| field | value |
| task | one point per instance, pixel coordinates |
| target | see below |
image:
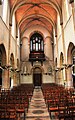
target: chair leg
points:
(24, 115)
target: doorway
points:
(37, 76)
(74, 81)
(0, 77)
(37, 79)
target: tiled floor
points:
(37, 109)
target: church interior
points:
(37, 59)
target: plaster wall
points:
(47, 49)
(4, 36)
(26, 79)
(48, 79)
(69, 34)
(36, 28)
(4, 39)
(29, 79)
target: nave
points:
(37, 109)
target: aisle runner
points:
(37, 109)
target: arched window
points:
(36, 48)
(36, 43)
(73, 64)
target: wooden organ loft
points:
(36, 48)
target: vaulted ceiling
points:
(36, 12)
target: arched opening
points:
(2, 64)
(36, 48)
(12, 70)
(36, 42)
(73, 67)
(70, 56)
(37, 76)
(0, 77)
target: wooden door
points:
(37, 79)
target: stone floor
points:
(37, 108)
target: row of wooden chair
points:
(60, 100)
(15, 102)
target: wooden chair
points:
(63, 110)
(20, 109)
(52, 106)
(4, 115)
(12, 111)
(71, 107)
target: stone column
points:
(6, 80)
(59, 76)
(48, 48)
(69, 77)
(14, 78)
(63, 43)
(18, 77)
(64, 52)
(24, 49)
(9, 45)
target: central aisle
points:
(37, 108)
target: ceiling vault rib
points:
(28, 17)
(38, 24)
(30, 13)
(55, 6)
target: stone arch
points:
(61, 59)
(2, 64)
(3, 55)
(37, 69)
(37, 76)
(70, 51)
(37, 66)
(36, 32)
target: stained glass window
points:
(36, 42)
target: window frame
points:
(36, 43)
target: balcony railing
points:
(37, 56)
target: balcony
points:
(37, 56)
